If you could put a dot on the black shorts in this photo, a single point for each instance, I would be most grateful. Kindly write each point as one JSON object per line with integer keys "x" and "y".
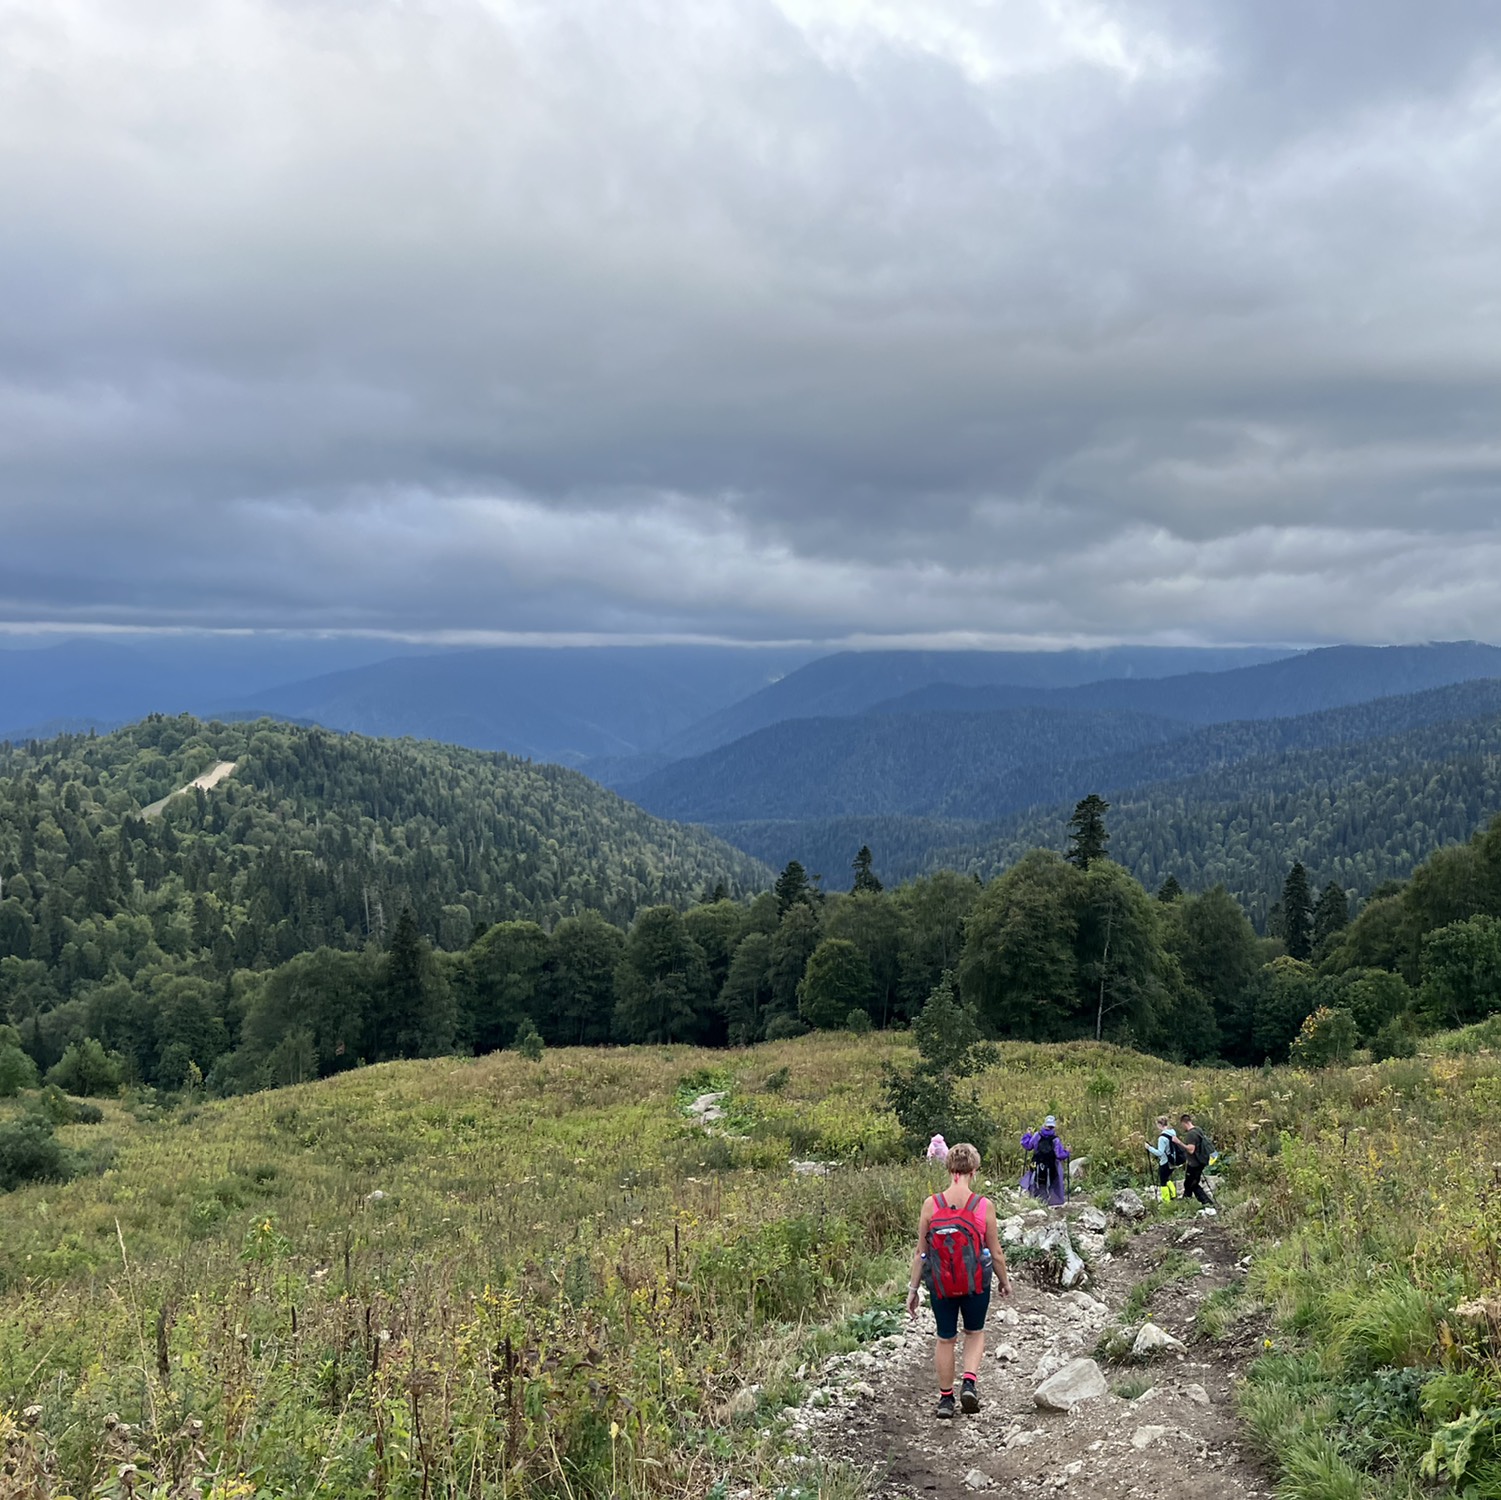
{"x": 947, "y": 1312}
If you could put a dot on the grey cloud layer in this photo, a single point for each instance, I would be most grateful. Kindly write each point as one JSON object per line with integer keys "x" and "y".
{"x": 808, "y": 318}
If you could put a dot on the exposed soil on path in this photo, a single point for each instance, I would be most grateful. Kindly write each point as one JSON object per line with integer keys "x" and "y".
{"x": 207, "y": 782}
{"x": 1179, "y": 1441}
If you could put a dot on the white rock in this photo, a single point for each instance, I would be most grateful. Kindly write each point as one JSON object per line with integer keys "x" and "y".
{"x": 1021, "y": 1440}
{"x": 1085, "y": 1303}
{"x": 1075, "y": 1272}
{"x": 1076, "y": 1166}
{"x": 1144, "y": 1437}
{"x": 1049, "y": 1365}
{"x": 861, "y": 1390}
{"x": 1150, "y": 1394}
{"x": 1007, "y": 1315}
{"x": 1197, "y": 1394}
{"x": 1153, "y": 1340}
{"x": 1006, "y": 1353}
{"x": 975, "y": 1480}
{"x": 812, "y": 1168}
{"x": 376, "y": 1197}
{"x": 1090, "y": 1218}
{"x": 1078, "y": 1380}
{"x": 1012, "y": 1230}
{"x": 1208, "y": 1213}
{"x": 1128, "y": 1205}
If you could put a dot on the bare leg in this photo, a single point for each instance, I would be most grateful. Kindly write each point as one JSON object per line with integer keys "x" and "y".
{"x": 943, "y": 1360}
{"x": 974, "y": 1351}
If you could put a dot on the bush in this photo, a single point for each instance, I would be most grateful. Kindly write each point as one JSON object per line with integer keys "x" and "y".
{"x": 61, "y": 1110}
{"x": 86, "y": 1068}
{"x": 1395, "y": 1039}
{"x": 1326, "y": 1039}
{"x": 17, "y": 1071}
{"x": 529, "y": 1040}
{"x": 30, "y": 1152}
{"x": 858, "y": 1021}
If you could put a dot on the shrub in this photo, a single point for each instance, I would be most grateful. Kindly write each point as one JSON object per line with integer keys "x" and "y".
{"x": 1326, "y": 1039}
{"x": 529, "y": 1040}
{"x": 17, "y": 1071}
{"x": 61, "y": 1110}
{"x": 30, "y": 1152}
{"x": 86, "y": 1068}
{"x": 1395, "y": 1039}
{"x": 858, "y": 1021}
{"x": 926, "y": 1097}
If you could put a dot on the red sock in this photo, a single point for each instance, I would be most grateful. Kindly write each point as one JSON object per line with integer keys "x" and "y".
{"x": 971, "y": 1378}
{"x": 943, "y": 1392}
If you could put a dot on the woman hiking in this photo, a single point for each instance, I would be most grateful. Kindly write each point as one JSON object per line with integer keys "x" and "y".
{"x": 1168, "y": 1154}
{"x": 958, "y": 1251}
{"x": 1045, "y": 1177}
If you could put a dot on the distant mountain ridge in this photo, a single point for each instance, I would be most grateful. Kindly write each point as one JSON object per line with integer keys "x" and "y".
{"x": 979, "y": 765}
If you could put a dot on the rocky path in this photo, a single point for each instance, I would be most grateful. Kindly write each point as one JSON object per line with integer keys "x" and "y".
{"x": 1163, "y": 1427}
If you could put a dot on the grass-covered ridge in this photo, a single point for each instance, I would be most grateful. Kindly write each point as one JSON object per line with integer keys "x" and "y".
{"x": 524, "y": 1258}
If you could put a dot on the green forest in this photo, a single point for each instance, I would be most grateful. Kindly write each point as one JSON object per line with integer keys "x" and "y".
{"x": 339, "y": 901}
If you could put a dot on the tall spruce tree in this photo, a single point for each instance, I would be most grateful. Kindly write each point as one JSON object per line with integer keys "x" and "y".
{"x": 1332, "y": 914}
{"x": 1087, "y": 833}
{"x": 865, "y": 876}
{"x": 792, "y": 886}
{"x": 1169, "y": 891}
{"x": 1297, "y": 912}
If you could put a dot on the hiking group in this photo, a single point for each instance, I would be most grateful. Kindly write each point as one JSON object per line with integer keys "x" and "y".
{"x": 959, "y": 1254}
{"x": 1185, "y": 1146}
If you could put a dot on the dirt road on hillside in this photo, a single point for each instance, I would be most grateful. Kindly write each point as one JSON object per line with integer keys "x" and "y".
{"x": 1179, "y": 1440}
{"x": 206, "y": 783}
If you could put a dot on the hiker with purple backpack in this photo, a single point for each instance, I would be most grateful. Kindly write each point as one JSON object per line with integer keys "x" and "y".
{"x": 958, "y": 1252}
{"x": 1046, "y": 1178}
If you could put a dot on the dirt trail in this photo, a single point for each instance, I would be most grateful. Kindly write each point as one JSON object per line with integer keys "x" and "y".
{"x": 880, "y": 1403}
{"x": 207, "y": 782}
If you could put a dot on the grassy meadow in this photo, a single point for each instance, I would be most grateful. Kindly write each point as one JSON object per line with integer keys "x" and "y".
{"x": 498, "y": 1277}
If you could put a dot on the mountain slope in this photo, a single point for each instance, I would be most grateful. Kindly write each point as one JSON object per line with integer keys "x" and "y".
{"x": 983, "y": 766}
{"x": 565, "y": 704}
{"x": 1361, "y": 812}
{"x": 1332, "y": 677}
{"x": 850, "y": 682}
{"x": 933, "y": 764}
{"x": 317, "y": 839}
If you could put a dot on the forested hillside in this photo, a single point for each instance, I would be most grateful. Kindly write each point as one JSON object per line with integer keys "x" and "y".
{"x": 1233, "y": 803}
{"x": 982, "y": 766}
{"x": 139, "y": 931}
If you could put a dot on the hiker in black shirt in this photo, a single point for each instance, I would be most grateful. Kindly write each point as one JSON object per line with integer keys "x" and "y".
{"x": 1196, "y": 1147}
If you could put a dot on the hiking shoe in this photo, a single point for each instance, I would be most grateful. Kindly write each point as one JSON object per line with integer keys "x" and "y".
{"x": 969, "y": 1398}
{"x": 945, "y": 1406}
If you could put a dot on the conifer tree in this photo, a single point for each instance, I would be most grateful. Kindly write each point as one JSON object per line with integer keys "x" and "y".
{"x": 1169, "y": 891}
{"x": 792, "y": 886}
{"x": 865, "y": 876}
{"x": 1332, "y": 914}
{"x": 1087, "y": 834}
{"x": 1297, "y": 913}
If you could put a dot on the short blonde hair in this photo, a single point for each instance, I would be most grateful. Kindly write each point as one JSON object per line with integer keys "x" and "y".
{"x": 1162, "y": 1122}
{"x": 963, "y": 1159}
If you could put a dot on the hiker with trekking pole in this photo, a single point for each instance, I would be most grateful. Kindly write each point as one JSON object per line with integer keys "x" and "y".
{"x": 958, "y": 1253}
{"x": 1198, "y": 1153}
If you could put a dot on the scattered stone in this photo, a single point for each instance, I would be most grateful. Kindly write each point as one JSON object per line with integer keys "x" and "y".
{"x": 1208, "y": 1213}
{"x": 1144, "y": 1437}
{"x": 1090, "y": 1218}
{"x": 1077, "y": 1165}
{"x": 1075, "y": 1272}
{"x": 1012, "y": 1230}
{"x": 1007, "y": 1315}
{"x": 1150, "y": 1394}
{"x": 376, "y": 1197}
{"x": 1078, "y": 1380}
{"x": 861, "y": 1390}
{"x": 1007, "y": 1353}
{"x": 1128, "y": 1204}
{"x": 1153, "y": 1340}
{"x": 1085, "y": 1303}
{"x": 1021, "y": 1440}
{"x": 975, "y": 1480}
{"x": 706, "y": 1108}
{"x": 1197, "y": 1394}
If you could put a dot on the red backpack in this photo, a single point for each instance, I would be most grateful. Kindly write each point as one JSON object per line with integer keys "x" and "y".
{"x": 954, "y": 1264}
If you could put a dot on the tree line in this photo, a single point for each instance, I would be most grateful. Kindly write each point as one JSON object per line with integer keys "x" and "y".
{"x": 156, "y": 952}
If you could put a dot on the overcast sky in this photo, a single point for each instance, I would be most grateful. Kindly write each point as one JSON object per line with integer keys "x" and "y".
{"x": 757, "y": 319}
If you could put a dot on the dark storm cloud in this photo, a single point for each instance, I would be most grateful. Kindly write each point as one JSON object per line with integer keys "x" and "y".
{"x": 812, "y": 318}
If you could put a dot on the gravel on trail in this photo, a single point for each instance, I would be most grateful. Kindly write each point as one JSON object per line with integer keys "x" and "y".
{"x": 1178, "y": 1439}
